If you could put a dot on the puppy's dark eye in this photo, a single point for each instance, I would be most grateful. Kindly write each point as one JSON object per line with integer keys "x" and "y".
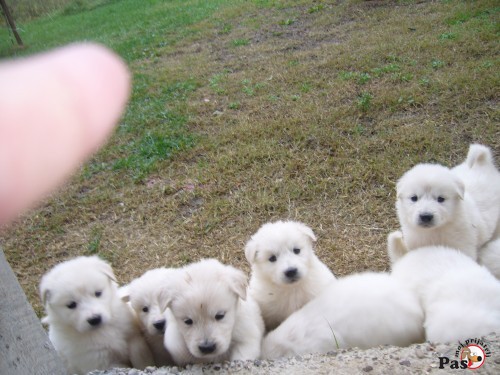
{"x": 145, "y": 309}
{"x": 296, "y": 251}
{"x": 441, "y": 199}
{"x": 220, "y": 316}
{"x": 98, "y": 293}
{"x": 414, "y": 198}
{"x": 72, "y": 305}
{"x": 188, "y": 321}
{"x": 273, "y": 258}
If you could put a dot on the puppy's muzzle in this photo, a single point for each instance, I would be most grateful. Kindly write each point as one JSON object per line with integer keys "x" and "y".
{"x": 160, "y": 325}
{"x": 292, "y": 274}
{"x": 207, "y": 347}
{"x": 426, "y": 220}
{"x": 95, "y": 321}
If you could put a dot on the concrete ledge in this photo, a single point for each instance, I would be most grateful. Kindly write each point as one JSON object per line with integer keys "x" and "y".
{"x": 415, "y": 359}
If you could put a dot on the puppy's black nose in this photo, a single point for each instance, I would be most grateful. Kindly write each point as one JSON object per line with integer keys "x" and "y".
{"x": 291, "y": 273}
{"x": 95, "y": 320}
{"x": 426, "y": 218}
{"x": 160, "y": 325}
{"x": 207, "y": 347}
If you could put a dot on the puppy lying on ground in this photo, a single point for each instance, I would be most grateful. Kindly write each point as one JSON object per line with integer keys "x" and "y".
{"x": 89, "y": 325}
{"x": 362, "y": 310}
{"x": 439, "y": 206}
{"x": 210, "y": 317}
{"x": 286, "y": 273}
{"x": 143, "y": 294}
{"x": 460, "y": 298}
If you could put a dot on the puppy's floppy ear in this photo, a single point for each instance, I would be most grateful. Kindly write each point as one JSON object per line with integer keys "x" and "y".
{"x": 170, "y": 287}
{"x": 304, "y": 229}
{"x": 238, "y": 281}
{"x": 45, "y": 295}
{"x": 460, "y": 187}
{"x": 251, "y": 250}
{"x": 399, "y": 188}
{"x": 105, "y": 268}
{"x": 165, "y": 298}
{"x": 124, "y": 293}
{"x": 45, "y": 292}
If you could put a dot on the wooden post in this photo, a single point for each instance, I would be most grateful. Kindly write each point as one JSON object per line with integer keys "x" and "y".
{"x": 24, "y": 346}
{"x": 11, "y": 22}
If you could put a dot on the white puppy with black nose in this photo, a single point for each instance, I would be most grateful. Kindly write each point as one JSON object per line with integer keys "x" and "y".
{"x": 210, "y": 317}
{"x": 457, "y": 208}
{"x": 144, "y": 295}
{"x": 89, "y": 325}
{"x": 286, "y": 273}
{"x": 432, "y": 211}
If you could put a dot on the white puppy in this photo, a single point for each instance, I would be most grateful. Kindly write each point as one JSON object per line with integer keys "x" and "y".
{"x": 362, "y": 310}
{"x": 460, "y": 298}
{"x": 144, "y": 295}
{"x": 481, "y": 179}
{"x": 213, "y": 319}
{"x": 89, "y": 325}
{"x": 433, "y": 209}
{"x": 286, "y": 273}
{"x": 482, "y": 183}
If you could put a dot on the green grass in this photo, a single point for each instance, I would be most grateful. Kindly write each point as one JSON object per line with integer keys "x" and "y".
{"x": 244, "y": 112}
{"x": 132, "y": 29}
{"x": 151, "y": 132}
{"x": 240, "y": 42}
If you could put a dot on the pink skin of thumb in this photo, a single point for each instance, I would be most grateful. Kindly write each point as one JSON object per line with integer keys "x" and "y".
{"x": 56, "y": 110}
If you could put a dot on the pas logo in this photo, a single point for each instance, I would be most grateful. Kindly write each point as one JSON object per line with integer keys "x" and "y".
{"x": 470, "y": 355}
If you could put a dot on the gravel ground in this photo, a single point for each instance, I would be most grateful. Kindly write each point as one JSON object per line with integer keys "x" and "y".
{"x": 415, "y": 359}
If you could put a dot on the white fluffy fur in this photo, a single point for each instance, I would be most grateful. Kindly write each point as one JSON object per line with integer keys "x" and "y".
{"x": 87, "y": 284}
{"x": 467, "y": 219}
{"x": 209, "y": 310}
{"x": 144, "y": 295}
{"x": 278, "y": 296}
{"x": 362, "y": 310}
{"x": 460, "y": 298}
{"x": 489, "y": 256}
{"x": 433, "y": 191}
{"x": 482, "y": 184}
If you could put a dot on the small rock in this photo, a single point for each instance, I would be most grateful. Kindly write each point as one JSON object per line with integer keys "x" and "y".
{"x": 419, "y": 353}
{"x": 217, "y": 113}
{"x": 257, "y": 362}
{"x": 405, "y": 363}
{"x": 368, "y": 369}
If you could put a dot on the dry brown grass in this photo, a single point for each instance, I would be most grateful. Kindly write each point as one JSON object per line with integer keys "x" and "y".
{"x": 283, "y": 133}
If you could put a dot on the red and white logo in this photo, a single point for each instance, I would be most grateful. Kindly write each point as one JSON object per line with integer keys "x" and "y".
{"x": 474, "y": 355}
